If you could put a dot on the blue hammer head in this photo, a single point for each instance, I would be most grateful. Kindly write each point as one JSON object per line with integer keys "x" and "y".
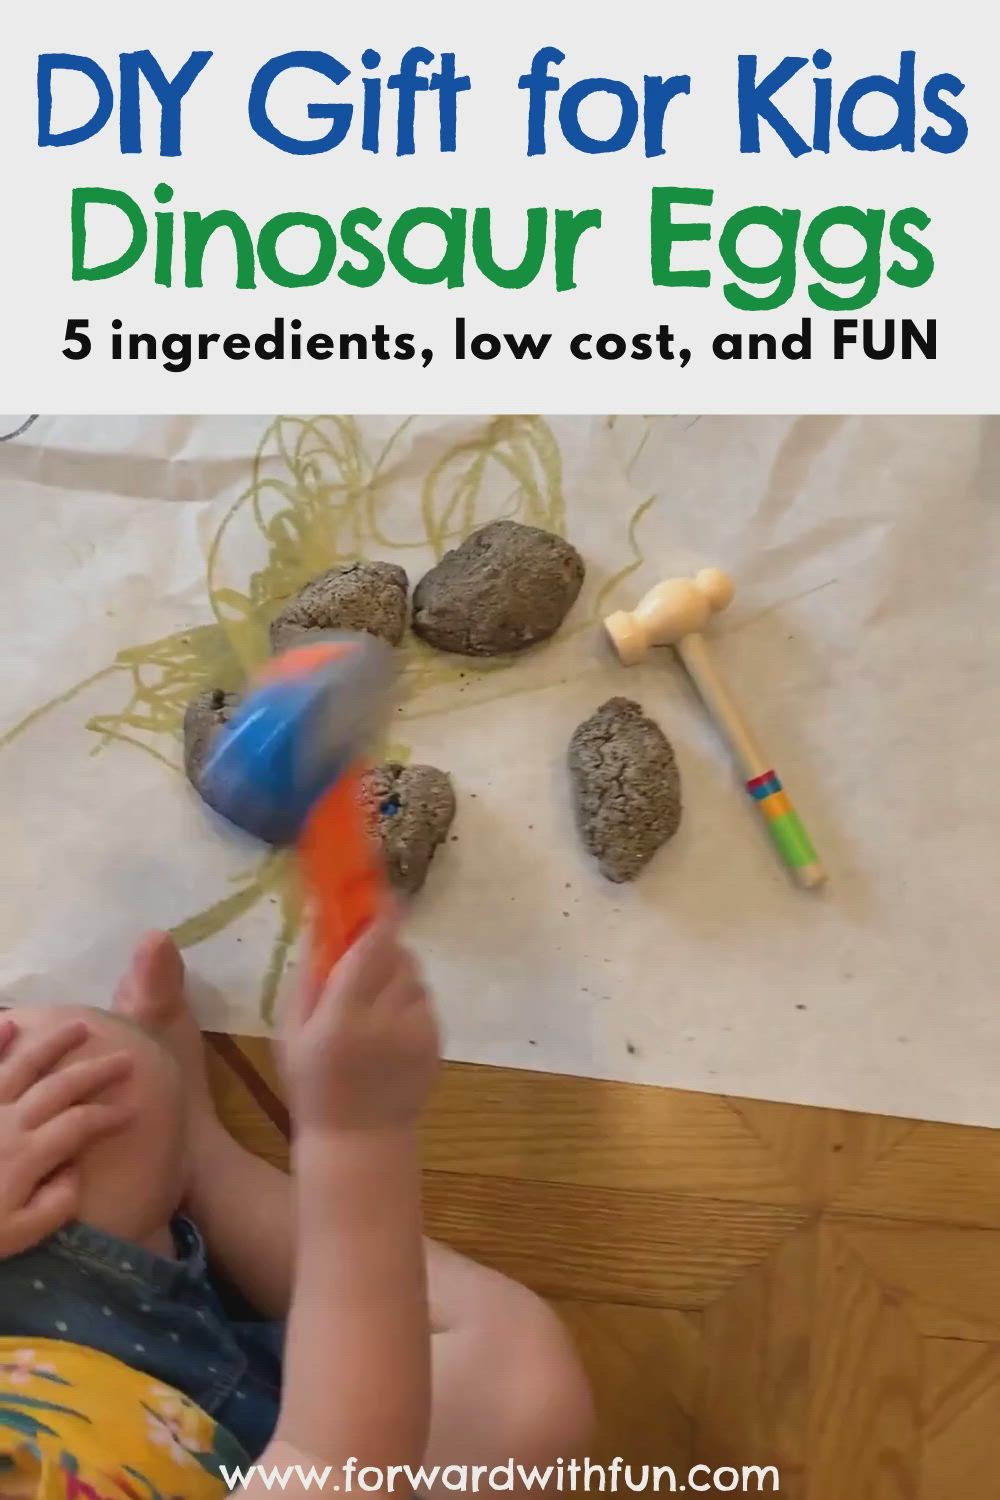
{"x": 297, "y": 732}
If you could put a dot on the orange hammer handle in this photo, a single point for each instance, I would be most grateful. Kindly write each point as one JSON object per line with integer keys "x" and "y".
{"x": 340, "y": 862}
{"x": 342, "y": 871}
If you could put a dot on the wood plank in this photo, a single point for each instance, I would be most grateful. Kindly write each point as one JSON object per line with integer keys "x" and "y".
{"x": 243, "y": 1083}
{"x": 486, "y": 1121}
{"x": 948, "y": 1278}
{"x": 645, "y": 1365}
{"x": 939, "y": 1174}
{"x": 595, "y": 1244}
{"x": 865, "y": 1385}
{"x": 825, "y": 1151}
{"x": 755, "y": 1402}
{"x": 961, "y": 1433}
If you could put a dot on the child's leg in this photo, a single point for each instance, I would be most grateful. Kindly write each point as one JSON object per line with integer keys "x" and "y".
{"x": 506, "y": 1381}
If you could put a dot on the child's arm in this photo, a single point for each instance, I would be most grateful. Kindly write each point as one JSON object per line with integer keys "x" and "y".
{"x": 356, "y": 1374}
{"x": 357, "y": 1359}
{"x": 244, "y": 1208}
{"x": 359, "y": 1311}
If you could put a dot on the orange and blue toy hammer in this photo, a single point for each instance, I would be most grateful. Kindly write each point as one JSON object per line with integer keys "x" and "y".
{"x": 287, "y": 767}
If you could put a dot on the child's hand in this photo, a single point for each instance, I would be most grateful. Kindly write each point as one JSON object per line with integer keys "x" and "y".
{"x": 48, "y": 1117}
{"x": 362, "y": 1056}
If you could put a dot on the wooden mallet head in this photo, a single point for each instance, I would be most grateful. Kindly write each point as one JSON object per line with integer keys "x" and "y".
{"x": 676, "y": 608}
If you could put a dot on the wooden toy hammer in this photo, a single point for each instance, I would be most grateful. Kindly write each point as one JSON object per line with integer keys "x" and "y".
{"x": 674, "y": 613}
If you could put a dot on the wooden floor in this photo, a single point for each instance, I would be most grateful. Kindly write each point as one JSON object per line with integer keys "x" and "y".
{"x": 748, "y": 1283}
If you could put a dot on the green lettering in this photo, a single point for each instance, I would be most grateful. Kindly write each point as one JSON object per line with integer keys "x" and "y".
{"x": 81, "y": 200}
{"x": 783, "y": 222}
{"x": 923, "y": 261}
{"x": 870, "y": 224}
{"x": 351, "y": 239}
{"x": 199, "y": 229}
{"x": 267, "y": 250}
{"x": 163, "y": 272}
{"x": 534, "y": 251}
{"x": 664, "y": 234}
{"x": 570, "y": 228}
{"x": 450, "y": 267}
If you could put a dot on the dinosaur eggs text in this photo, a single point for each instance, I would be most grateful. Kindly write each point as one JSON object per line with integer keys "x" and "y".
{"x": 760, "y": 254}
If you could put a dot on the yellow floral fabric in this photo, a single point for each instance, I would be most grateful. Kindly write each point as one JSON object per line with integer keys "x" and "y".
{"x": 76, "y": 1424}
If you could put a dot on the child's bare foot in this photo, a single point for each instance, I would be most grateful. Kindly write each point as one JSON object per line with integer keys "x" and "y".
{"x": 151, "y": 993}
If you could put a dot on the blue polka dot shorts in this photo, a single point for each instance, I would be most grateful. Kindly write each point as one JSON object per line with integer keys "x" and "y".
{"x": 169, "y": 1318}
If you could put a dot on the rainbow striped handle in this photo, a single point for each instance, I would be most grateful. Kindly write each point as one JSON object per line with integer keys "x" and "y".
{"x": 784, "y": 824}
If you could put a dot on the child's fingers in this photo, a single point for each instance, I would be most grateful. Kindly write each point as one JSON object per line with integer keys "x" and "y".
{"x": 368, "y": 964}
{"x": 358, "y": 975}
{"x": 8, "y": 1031}
{"x": 33, "y": 1057}
{"x": 401, "y": 993}
{"x": 408, "y": 969}
{"x": 52, "y": 1206}
{"x": 74, "y": 1084}
{"x": 60, "y": 1141}
{"x": 402, "y": 985}
{"x": 390, "y": 909}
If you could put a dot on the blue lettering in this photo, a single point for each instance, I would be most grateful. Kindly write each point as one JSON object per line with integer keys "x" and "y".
{"x": 569, "y": 115}
{"x": 539, "y": 83}
{"x": 169, "y": 93}
{"x": 935, "y": 140}
{"x": 339, "y": 115}
{"x": 69, "y": 62}
{"x": 755, "y": 104}
{"x": 902, "y": 91}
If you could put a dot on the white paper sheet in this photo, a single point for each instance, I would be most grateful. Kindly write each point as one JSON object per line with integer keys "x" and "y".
{"x": 861, "y": 644}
